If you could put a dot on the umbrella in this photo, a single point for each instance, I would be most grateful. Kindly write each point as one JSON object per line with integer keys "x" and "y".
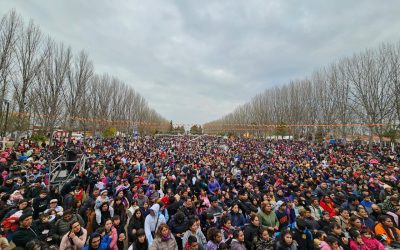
{"x": 373, "y": 161}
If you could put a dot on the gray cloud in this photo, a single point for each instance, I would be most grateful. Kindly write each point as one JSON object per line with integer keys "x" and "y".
{"x": 195, "y": 61}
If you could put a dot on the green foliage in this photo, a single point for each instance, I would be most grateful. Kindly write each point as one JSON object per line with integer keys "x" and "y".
{"x": 171, "y": 127}
{"x": 179, "y": 130}
{"x": 391, "y": 133}
{"x": 196, "y": 130}
{"x": 110, "y": 132}
{"x": 39, "y": 137}
{"x": 282, "y": 130}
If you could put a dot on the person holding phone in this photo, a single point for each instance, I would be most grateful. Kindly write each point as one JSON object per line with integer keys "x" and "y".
{"x": 76, "y": 237}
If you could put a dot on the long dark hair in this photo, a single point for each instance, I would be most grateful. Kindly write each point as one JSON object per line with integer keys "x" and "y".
{"x": 79, "y": 234}
{"x": 382, "y": 219}
{"x": 145, "y": 244}
{"x": 133, "y": 218}
{"x": 212, "y": 234}
{"x": 282, "y": 239}
{"x": 120, "y": 209}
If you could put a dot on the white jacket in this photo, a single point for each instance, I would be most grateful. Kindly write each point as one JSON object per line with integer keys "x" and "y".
{"x": 150, "y": 222}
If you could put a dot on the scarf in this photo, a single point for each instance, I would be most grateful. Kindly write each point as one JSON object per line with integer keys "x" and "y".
{"x": 166, "y": 238}
{"x": 391, "y": 231}
{"x": 79, "y": 234}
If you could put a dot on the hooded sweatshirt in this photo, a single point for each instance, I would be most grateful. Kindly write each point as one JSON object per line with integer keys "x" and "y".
{"x": 151, "y": 221}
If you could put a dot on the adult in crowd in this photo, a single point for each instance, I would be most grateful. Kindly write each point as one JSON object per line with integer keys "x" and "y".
{"x": 24, "y": 233}
{"x": 75, "y": 238}
{"x": 164, "y": 240}
{"x": 263, "y": 187}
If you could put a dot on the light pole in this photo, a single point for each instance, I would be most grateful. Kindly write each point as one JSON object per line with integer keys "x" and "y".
{"x": 7, "y": 102}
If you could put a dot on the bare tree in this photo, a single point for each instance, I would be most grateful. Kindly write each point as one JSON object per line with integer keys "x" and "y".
{"x": 9, "y": 25}
{"x": 50, "y": 85}
{"x": 78, "y": 77}
{"x": 30, "y": 58}
{"x": 370, "y": 87}
{"x": 56, "y": 92}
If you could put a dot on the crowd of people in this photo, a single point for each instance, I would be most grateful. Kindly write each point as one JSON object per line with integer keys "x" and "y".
{"x": 208, "y": 193}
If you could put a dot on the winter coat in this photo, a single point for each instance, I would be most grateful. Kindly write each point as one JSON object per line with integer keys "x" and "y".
{"x": 329, "y": 207}
{"x": 304, "y": 239}
{"x": 62, "y": 226}
{"x": 68, "y": 201}
{"x": 250, "y": 235}
{"x": 39, "y": 205}
{"x": 114, "y": 238}
{"x": 380, "y": 230}
{"x": 268, "y": 220}
{"x": 373, "y": 243}
{"x": 236, "y": 245}
{"x": 316, "y": 212}
{"x": 23, "y": 235}
{"x": 213, "y": 186}
{"x": 355, "y": 246}
{"x": 324, "y": 246}
{"x": 178, "y": 227}
{"x": 265, "y": 244}
{"x": 159, "y": 244}
{"x": 237, "y": 219}
{"x": 151, "y": 221}
{"x": 211, "y": 245}
{"x": 79, "y": 242}
{"x": 134, "y": 224}
{"x": 279, "y": 246}
{"x": 41, "y": 227}
{"x": 247, "y": 207}
{"x": 201, "y": 239}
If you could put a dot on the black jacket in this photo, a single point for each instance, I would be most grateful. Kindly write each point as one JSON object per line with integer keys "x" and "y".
{"x": 39, "y": 205}
{"x": 68, "y": 201}
{"x": 23, "y": 235}
{"x": 134, "y": 224}
{"x": 251, "y": 233}
{"x": 340, "y": 241}
{"x": 247, "y": 207}
{"x": 178, "y": 226}
{"x": 304, "y": 240}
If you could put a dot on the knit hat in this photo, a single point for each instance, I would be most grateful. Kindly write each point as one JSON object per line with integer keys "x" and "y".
{"x": 24, "y": 216}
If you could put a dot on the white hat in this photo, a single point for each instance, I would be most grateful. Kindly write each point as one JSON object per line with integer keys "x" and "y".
{"x": 53, "y": 200}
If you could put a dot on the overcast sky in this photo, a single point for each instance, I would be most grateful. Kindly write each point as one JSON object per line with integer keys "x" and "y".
{"x": 195, "y": 61}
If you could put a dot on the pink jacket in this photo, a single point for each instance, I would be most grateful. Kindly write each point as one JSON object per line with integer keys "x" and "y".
{"x": 324, "y": 246}
{"x": 373, "y": 243}
{"x": 114, "y": 239}
{"x": 79, "y": 242}
{"x": 355, "y": 246}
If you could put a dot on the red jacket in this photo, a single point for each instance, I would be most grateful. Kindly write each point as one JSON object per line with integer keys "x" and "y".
{"x": 328, "y": 207}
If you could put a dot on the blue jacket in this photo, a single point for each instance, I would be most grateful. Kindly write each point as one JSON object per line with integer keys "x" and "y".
{"x": 212, "y": 186}
{"x": 237, "y": 219}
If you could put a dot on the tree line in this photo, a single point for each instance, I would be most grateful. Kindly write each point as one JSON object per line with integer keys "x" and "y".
{"x": 50, "y": 87}
{"x": 357, "y": 95}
